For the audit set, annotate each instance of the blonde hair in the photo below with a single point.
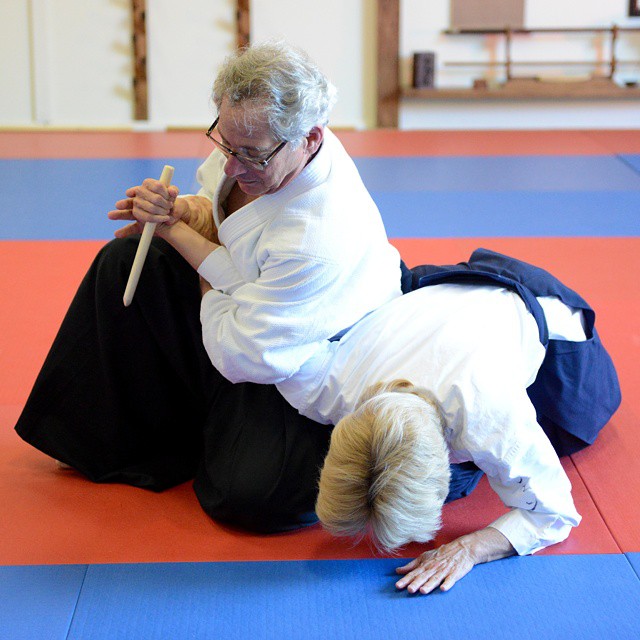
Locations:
(387, 469)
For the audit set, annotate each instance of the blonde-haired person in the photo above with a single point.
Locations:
(387, 475)
(387, 471)
(483, 374)
(281, 249)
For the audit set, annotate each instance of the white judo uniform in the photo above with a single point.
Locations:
(477, 348)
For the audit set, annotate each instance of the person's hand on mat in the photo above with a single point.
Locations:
(149, 202)
(444, 566)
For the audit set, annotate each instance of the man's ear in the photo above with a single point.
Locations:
(314, 139)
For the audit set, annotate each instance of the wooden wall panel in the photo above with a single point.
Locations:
(243, 23)
(140, 88)
(388, 62)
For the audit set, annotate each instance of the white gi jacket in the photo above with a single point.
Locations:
(297, 267)
(477, 349)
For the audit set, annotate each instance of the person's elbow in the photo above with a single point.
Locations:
(247, 362)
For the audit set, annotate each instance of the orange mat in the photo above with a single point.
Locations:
(104, 144)
(58, 517)
(389, 142)
(381, 143)
(37, 281)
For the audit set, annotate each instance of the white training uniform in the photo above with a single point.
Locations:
(296, 267)
(477, 348)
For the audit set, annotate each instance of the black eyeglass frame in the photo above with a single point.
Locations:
(258, 164)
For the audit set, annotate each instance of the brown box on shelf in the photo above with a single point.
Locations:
(424, 66)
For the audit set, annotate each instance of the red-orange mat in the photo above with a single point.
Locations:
(58, 517)
(383, 142)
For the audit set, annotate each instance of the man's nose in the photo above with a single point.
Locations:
(233, 167)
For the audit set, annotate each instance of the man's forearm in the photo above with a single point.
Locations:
(193, 246)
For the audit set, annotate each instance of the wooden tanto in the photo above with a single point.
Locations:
(143, 247)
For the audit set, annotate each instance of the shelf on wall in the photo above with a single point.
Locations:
(593, 87)
(531, 89)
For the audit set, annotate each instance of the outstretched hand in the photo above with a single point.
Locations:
(444, 566)
(441, 567)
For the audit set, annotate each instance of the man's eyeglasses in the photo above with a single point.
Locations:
(255, 162)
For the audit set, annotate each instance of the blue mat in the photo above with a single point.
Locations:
(499, 173)
(69, 199)
(509, 214)
(550, 597)
(38, 603)
(456, 197)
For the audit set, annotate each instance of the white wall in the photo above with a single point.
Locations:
(422, 26)
(186, 42)
(340, 35)
(68, 62)
(15, 63)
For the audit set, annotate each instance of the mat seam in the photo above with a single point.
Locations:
(596, 505)
(627, 164)
(75, 608)
(626, 556)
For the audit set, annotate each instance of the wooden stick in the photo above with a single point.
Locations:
(143, 247)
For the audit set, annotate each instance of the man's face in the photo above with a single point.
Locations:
(242, 129)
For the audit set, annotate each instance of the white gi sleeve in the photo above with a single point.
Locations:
(220, 272)
(502, 436)
(263, 331)
(530, 480)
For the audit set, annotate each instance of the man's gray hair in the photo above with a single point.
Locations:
(387, 469)
(288, 87)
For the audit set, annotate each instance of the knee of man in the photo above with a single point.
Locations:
(116, 257)
(120, 249)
